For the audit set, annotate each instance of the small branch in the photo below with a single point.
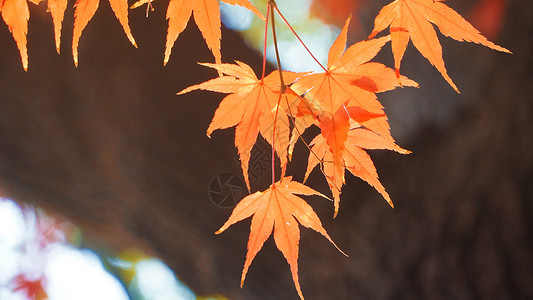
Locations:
(272, 5)
(274, 141)
(265, 43)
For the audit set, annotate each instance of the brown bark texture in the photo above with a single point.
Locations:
(110, 147)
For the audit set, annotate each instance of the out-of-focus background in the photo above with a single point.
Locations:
(119, 192)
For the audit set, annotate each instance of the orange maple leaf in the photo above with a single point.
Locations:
(16, 15)
(84, 11)
(253, 105)
(277, 209)
(334, 128)
(307, 116)
(354, 158)
(410, 19)
(207, 17)
(351, 79)
(57, 10)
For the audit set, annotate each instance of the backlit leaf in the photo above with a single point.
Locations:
(277, 209)
(410, 20)
(83, 12)
(16, 15)
(354, 158)
(254, 106)
(207, 17)
(120, 8)
(57, 10)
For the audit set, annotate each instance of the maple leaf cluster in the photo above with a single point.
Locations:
(341, 101)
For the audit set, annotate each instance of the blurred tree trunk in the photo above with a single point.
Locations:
(110, 147)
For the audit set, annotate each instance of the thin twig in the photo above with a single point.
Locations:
(271, 4)
(265, 44)
(297, 36)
